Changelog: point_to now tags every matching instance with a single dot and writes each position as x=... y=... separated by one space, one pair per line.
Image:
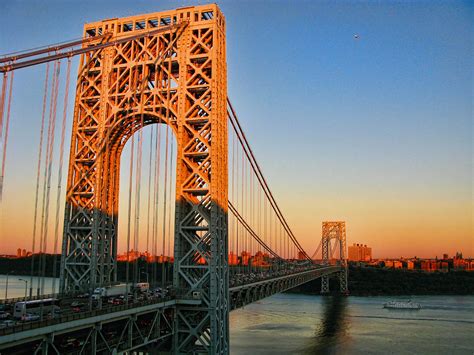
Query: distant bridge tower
x=163 y=68
x=336 y=231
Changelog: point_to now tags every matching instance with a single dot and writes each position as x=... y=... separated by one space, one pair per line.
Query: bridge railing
x=80 y=315
x=40 y=297
x=21 y=299
x=117 y=308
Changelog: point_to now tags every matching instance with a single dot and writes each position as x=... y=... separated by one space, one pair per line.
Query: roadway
x=151 y=315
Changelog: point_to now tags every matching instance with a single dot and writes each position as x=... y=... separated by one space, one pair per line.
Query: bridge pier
x=325 y=285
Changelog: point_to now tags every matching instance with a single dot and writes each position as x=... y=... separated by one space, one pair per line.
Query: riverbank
x=363 y=281
x=377 y=282
x=52 y=265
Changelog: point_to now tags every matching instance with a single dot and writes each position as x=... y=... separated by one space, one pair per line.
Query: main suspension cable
x=251 y=157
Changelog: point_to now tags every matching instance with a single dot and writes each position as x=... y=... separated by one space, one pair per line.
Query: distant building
x=245 y=257
x=429 y=265
x=233 y=258
x=410 y=265
x=393 y=264
x=397 y=264
x=260 y=259
x=359 y=252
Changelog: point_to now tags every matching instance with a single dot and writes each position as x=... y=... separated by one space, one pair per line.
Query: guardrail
x=115 y=308
x=75 y=316
x=49 y=295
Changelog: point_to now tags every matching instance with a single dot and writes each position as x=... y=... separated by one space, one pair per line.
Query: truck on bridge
x=119 y=289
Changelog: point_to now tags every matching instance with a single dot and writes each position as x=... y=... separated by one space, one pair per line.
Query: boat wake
x=417 y=319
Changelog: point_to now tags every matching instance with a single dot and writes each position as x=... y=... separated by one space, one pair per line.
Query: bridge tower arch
x=175 y=74
x=337 y=231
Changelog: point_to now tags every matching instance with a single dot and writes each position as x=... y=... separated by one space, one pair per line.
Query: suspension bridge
x=198 y=203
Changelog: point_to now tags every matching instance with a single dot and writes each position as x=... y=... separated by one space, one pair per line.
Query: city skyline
x=121 y=255
x=393 y=160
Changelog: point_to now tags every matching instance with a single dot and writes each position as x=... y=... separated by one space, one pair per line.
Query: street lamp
x=26 y=286
x=146 y=273
x=6 y=287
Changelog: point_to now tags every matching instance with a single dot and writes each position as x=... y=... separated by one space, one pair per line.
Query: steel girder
x=176 y=77
x=136 y=327
x=118 y=332
x=249 y=293
x=337 y=231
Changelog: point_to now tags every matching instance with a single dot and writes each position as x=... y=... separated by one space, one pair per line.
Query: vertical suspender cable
x=40 y=150
x=233 y=194
x=170 y=204
x=242 y=210
x=237 y=226
x=156 y=201
x=49 y=166
x=46 y=186
x=163 y=275
x=129 y=214
x=5 y=140
x=2 y=101
x=45 y=180
x=138 y=176
x=148 y=203
x=248 y=151
x=60 y=172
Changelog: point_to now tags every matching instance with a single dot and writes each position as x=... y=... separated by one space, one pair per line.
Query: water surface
x=305 y=324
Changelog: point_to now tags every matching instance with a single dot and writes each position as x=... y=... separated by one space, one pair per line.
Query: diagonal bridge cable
x=251 y=231
x=258 y=172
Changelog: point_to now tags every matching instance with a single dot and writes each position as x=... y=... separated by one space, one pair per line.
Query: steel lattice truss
x=249 y=293
x=124 y=329
x=146 y=326
x=336 y=231
x=175 y=77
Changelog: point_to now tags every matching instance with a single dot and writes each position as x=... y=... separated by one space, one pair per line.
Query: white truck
x=111 y=291
x=142 y=286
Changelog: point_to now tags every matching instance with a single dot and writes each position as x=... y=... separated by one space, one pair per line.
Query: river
x=307 y=324
x=16 y=287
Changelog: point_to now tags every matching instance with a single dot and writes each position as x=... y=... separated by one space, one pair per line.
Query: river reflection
x=331 y=328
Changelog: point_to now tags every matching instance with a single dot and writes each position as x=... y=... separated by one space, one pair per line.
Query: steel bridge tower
x=336 y=231
x=175 y=76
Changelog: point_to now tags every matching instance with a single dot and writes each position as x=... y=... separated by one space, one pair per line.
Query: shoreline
x=363 y=281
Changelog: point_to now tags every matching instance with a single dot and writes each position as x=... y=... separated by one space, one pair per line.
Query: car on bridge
x=7 y=323
x=30 y=317
x=4 y=315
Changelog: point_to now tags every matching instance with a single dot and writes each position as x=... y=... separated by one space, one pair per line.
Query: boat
x=402 y=305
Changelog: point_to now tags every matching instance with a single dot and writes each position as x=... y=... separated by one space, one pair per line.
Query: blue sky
x=376 y=130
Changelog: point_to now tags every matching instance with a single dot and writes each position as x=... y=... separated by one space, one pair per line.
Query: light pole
x=146 y=273
x=26 y=286
x=6 y=287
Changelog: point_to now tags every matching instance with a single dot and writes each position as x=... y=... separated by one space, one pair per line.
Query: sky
x=375 y=130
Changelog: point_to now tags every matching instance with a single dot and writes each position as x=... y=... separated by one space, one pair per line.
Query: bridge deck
x=128 y=327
